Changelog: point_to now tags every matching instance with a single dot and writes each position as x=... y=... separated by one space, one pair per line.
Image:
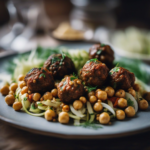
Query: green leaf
x=42 y=75
x=25 y=98
x=87 y=124
x=99 y=52
x=33 y=106
x=39 y=104
x=130 y=102
x=55 y=59
x=73 y=77
x=91 y=88
x=116 y=69
x=92 y=60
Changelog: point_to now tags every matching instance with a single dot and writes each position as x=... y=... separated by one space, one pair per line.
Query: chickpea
x=91 y=93
x=78 y=82
x=5 y=90
x=13 y=87
x=9 y=99
x=34 y=81
x=66 y=108
x=82 y=99
x=143 y=104
x=70 y=83
x=102 y=95
x=120 y=114
x=11 y=93
x=22 y=84
x=97 y=107
x=48 y=95
x=136 y=87
x=63 y=117
x=56 y=84
x=36 y=96
x=147 y=96
x=24 y=90
x=77 y=104
x=120 y=93
x=49 y=115
x=122 y=103
x=104 y=118
x=17 y=106
x=54 y=92
x=132 y=92
x=21 y=77
x=110 y=91
x=98 y=90
x=130 y=111
x=93 y=99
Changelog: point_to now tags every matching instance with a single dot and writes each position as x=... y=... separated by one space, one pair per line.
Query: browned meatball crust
x=103 y=53
x=60 y=65
x=121 y=78
x=39 y=80
x=94 y=73
x=70 y=89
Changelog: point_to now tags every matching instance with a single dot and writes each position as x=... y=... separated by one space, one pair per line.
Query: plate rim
x=68 y=136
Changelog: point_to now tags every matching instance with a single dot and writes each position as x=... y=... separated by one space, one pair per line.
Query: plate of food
x=73 y=93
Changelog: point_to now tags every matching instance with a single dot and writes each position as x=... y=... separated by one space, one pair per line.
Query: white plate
x=39 y=125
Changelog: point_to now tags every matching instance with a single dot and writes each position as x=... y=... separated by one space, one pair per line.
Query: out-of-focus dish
x=65 y=32
x=132 y=43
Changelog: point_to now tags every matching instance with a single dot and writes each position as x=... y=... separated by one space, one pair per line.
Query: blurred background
x=123 y=24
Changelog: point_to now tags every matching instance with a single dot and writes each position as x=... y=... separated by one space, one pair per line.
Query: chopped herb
x=42 y=75
x=102 y=45
x=63 y=57
x=99 y=52
x=55 y=59
x=92 y=60
x=130 y=102
x=140 y=98
x=25 y=98
x=87 y=71
x=65 y=82
x=117 y=65
x=93 y=113
x=16 y=96
x=87 y=124
x=39 y=104
x=116 y=69
x=51 y=108
x=73 y=77
x=33 y=106
x=43 y=71
x=30 y=70
x=90 y=88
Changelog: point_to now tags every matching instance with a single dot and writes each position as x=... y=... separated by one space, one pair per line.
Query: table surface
x=12 y=138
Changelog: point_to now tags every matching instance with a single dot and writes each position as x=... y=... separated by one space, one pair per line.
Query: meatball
x=94 y=73
x=39 y=80
x=121 y=78
x=60 y=65
x=70 y=89
x=103 y=53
